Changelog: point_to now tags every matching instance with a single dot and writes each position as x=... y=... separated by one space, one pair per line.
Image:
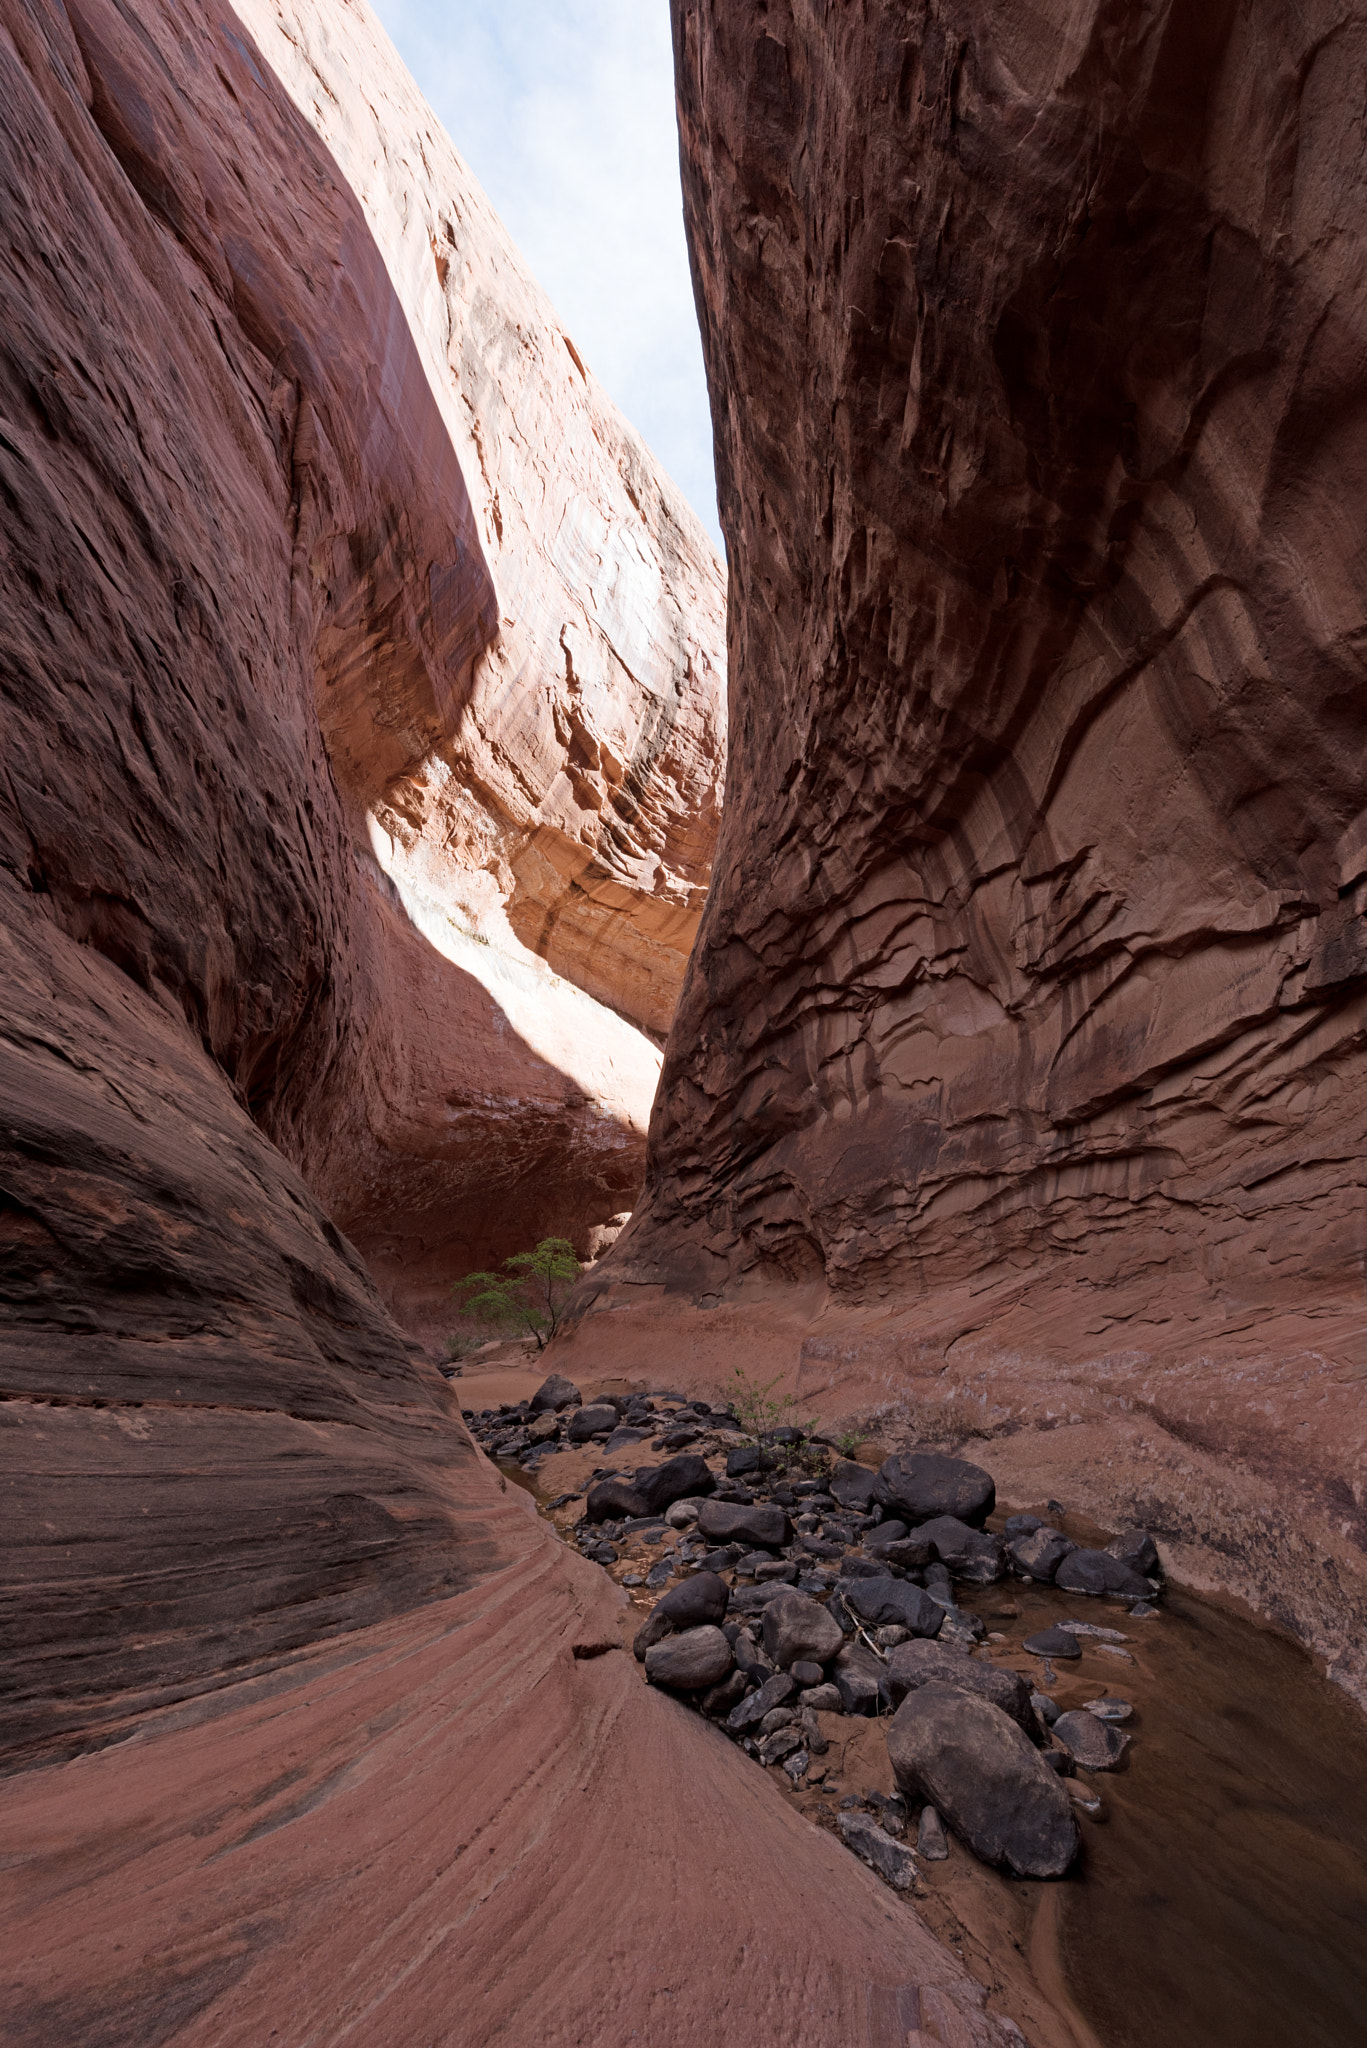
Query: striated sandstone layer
x=1021 y=1057
x=309 y=1730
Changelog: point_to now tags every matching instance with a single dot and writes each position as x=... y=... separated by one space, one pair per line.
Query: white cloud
x=564 y=110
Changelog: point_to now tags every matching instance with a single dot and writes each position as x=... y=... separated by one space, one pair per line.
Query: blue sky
x=564 y=110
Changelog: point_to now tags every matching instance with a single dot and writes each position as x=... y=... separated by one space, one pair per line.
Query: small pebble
x=930 y=1836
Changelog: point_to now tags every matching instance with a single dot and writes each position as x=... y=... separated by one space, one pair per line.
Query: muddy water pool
x=1221 y=1897
x=1221 y=1900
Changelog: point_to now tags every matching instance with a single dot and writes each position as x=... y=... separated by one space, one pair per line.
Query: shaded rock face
x=1045 y=857
x=244 y=593
x=1027 y=1009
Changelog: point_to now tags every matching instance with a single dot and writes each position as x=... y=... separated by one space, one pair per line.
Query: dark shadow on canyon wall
x=234 y=526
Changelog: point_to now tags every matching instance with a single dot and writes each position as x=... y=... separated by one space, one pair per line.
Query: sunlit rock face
x=550 y=834
x=1022 y=1048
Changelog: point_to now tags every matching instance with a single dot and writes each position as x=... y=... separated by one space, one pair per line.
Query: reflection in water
x=1224 y=1903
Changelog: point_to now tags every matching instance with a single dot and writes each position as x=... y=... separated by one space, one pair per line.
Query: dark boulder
x=798 y=1628
x=920 y=1484
x=743 y=1458
x=589 y=1422
x=1095 y=1744
x=611 y=1500
x=694 y=1601
x=907 y=1556
x=1020 y=1525
x=684 y=1478
x=853 y=1486
x=776 y=1691
x=972 y=1763
x=722 y=1521
x=1136 y=1548
x=553 y=1395
x=884 y=1602
x=913 y=1665
x=754 y=1599
x=861 y=1680
x=968 y=1553
x=1039 y=1552
x=719 y=1700
x=1053 y=1642
x=1097 y=1572
x=691 y=1662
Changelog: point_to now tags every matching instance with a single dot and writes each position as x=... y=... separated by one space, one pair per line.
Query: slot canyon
x=919 y=965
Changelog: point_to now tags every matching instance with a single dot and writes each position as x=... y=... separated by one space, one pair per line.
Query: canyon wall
x=405 y=803
x=247 y=603
x=1020 y=1064
x=309 y=1729
x=551 y=834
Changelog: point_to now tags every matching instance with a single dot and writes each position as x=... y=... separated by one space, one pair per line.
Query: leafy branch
x=528 y=1295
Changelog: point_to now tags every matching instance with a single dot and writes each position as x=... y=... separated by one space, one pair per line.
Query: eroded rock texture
x=563 y=816
x=308 y=1727
x=1025 y=1026
x=389 y=795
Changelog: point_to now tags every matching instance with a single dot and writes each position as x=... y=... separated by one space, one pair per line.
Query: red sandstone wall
x=246 y=604
x=404 y=803
x=1023 y=1040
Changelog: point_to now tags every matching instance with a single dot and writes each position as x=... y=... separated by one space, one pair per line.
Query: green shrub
x=758 y=1410
x=528 y=1295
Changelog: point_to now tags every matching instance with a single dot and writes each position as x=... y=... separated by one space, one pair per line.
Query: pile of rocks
x=525 y=1432
x=789 y=1598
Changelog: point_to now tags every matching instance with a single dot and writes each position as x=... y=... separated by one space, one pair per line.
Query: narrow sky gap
x=564 y=110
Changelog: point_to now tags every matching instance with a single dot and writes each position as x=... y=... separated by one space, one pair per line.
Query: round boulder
x=1039 y=1552
x=553 y=1395
x=1137 y=1549
x=1095 y=1744
x=680 y=1478
x=852 y=1486
x=797 y=1629
x=611 y=1500
x=913 y=1665
x=969 y=1553
x=1097 y=1572
x=691 y=1662
x=920 y=1484
x=893 y=1602
x=725 y=1521
x=970 y=1761
x=600 y=1418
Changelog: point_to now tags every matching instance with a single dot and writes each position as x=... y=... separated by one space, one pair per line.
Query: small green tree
x=527 y=1295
